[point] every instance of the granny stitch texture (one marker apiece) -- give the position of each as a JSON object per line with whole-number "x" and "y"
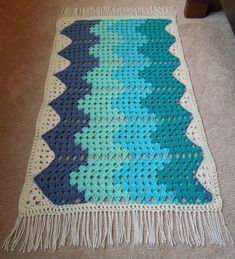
{"x": 122, "y": 137}
{"x": 120, "y": 153}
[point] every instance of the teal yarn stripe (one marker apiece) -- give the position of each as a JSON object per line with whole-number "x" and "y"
{"x": 179, "y": 176}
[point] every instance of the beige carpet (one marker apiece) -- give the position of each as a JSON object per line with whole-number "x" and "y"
{"x": 27, "y": 32}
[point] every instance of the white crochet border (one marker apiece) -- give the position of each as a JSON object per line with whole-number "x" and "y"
{"x": 32, "y": 200}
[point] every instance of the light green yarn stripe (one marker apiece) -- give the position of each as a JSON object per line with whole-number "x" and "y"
{"x": 96, "y": 178}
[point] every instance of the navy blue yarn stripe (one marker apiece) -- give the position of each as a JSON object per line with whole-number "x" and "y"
{"x": 54, "y": 181}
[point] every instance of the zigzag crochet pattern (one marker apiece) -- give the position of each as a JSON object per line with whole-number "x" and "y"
{"x": 120, "y": 152}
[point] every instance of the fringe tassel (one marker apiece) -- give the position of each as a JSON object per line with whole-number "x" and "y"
{"x": 101, "y": 228}
{"x": 109, "y": 11}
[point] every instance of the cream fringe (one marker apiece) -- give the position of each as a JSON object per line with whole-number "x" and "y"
{"x": 107, "y": 228}
{"x": 152, "y": 11}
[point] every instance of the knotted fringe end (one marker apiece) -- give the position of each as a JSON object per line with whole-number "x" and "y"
{"x": 154, "y": 11}
{"x": 108, "y": 228}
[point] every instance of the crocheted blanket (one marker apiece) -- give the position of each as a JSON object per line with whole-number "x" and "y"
{"x": 120, "y": 153}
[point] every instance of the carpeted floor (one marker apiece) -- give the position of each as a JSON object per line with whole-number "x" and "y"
{"x": 27, "y": 32}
